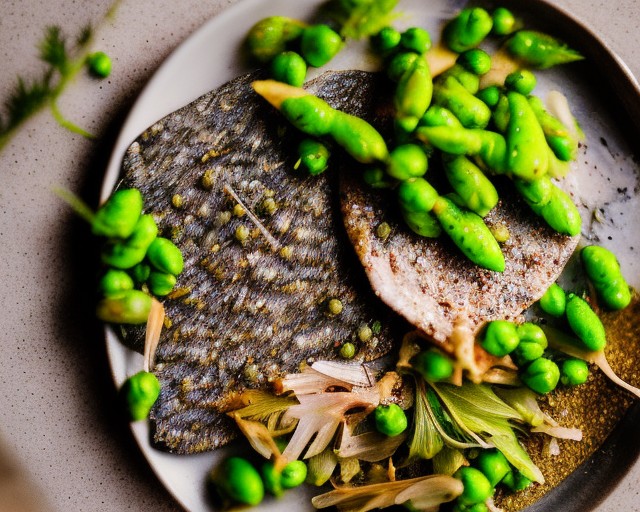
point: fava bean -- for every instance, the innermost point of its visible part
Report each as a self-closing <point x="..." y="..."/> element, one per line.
<point x="416" y="195"/>
<point x="164" y="255"/>
<point x="294" y="474"/>
<point x="540" y="50"/>
<point x="493" y="465"/>
<point x="474" y="189"/>
<point x="468" y="29"/>
<point x="542" y="375"/>
<point x="271" y="478"/>
<point x="128" y="307"/>
<point x="522" y="81"/>
<point x="289" y="67"/>
<point x="476" y="61"/>
<point x="500" y="338"/>
<point x="585" y="323"/>
<point x="412" y="95"/>
<point x="238" y="481"/>
<point x="115" y="281"/>
<point x="477" y="488"/>
<point x="516" y="481"/>
<point x="161" y="283"/>
<point x="140" y="392"/>
<point x="319" y="44"/>
<point x="269" y="37"/>
<point x="489" y="95"/>
<point x="437" y="115"/>
<point x="554" y="301"/>
<point x="416" y="39"/>
<point x="407" y="161"/>
<point x="422" y="223"/>
<point x="386" y="40"/>
<point x="533" y="343"/>
<point x="127" y="253"/>
<point x="603" y="270"/>
<point x="118" y="216"/>
<point x="504" y="22"/>
<point x="140" y="273"/>
<point x="314" y="156"/>
<point x="433" y="365"/>
<point x="470" y="111"/>
<point x="574" y="372"/>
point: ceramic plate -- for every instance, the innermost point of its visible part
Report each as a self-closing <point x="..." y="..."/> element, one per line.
<point x="211" y="56"/>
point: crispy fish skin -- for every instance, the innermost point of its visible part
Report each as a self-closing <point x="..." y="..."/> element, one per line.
<point x="245" y="312"/>
<point x="431" y="284"/>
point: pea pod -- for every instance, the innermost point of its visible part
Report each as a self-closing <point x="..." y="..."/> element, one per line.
<point x="315" y="117"/>
<point x="471" y="111"/>
<point x="585" y="323"/>
<point x="474" y="189"/>
<point x="468" y="29"/>
<point x="603" y="270"/>
<point x="269" y="36"/>
<point x="489" y="146"/>
<point x="470" y="234"/>
<point x="413" y="93"/>
<point x="527" y="155"/>
<point x="128" y="307"/>
<point x="539" y="50"/>
<point x="117" y="217"/>
<point x="564" y="146"/>
<point x="127" y="253"/>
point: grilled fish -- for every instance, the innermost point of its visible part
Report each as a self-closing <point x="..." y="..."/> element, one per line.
<point x="264" y="249"/>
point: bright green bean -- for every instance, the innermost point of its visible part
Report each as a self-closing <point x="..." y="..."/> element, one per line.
<point x="386" y="40"/>
<point x="314" y="156"/>
<point x="500" y="338"/>
<point x="422" y="223"/>
<point x="238" y="481"/>
<point x="99" y="64"/>
<point x="468" y="231"/>
<point x="309" y="114"/>
<point x="477" y="488"/>
<point x="476" y="61"/>
<point x="127" y="253"/>
<point x="161" y="283"/>
<point x="533" y="343"/>
<point x="603" y="270"/>
<point x="128" y="307"/>
<point x="289" y="67"/>
<point x="319" y="44"/>
<point x="140" y="392"/>
<point x="407" y="161"/>
<point x="433" y="365"/>
<point x="468" y="29"/>
<point x="164" y="255"/>
<point x="493" y="465"/>
<point x="540" y="50"/>
<point x="522" y="81"/>
<point x="117" y="217"/>
<point x="554" y="301"/>
<point x="437" y="115"/>
<point x="294" y="474"/>
<point x="416" y="195"/>
<point x="474" y="189"/>
<point x="504" y="22"/>
<point x="115" y="281"/>
<point x="471" y="111"/>
<point x="272" y="479"/>
<point x="585" y="323"/>
<point x="562" y="143"/>
<point x="269" y="36"/>
<point x="412" y="95"/>
<point x="542" y="375"/>
<point x="416" y="39"/>
<point x="574" y="372"/>
<point x="390" y="420"/>
<point x="489" y="95"/>
<point x="358" y="138"/>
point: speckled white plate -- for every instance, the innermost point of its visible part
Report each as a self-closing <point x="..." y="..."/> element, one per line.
<point x="211" y="57"/>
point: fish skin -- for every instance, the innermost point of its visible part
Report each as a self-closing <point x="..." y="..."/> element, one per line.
<point x="242" y="315"/>
<point x="431" y="284"/>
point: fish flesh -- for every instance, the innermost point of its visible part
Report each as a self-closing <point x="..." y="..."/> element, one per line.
<point x="430" y="283"/>
<point x="265" y="252"/>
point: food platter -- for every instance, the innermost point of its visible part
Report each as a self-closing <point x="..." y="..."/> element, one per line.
<point x="211" y="56"/>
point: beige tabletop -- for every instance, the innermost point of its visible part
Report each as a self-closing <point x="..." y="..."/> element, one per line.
<point x="61" y="434"/>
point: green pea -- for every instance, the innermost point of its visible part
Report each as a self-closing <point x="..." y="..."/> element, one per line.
<point x="115" y="281"/>
<point x="117" y="217"/>
<point x="603" y="270"/>
<point x="269" y="36"/>
<point x="489" y="95"/>
<point x="472" y="186"/>
<point x="574" y="372"/>
<point x="540" y="50"/>
<point x="433" y="365"/>
<point x="585" y="323"/>
<point x="99" y="64"/>
<point x="161" y="283"/>
<point x="504" y="22"/>
<point x="422" y="223"/>
<point x="476" y="61"/>
<point x="522" y="81"/>
<point x="128" y="307"/>
<point x="416" y="39"/>
<point x="376" y="177"/>
<point x="290" y="68"/>
<point x="347" y="350"/>
<point x="437" y="115"/>
<point x="165" y="256"/>
<point x="554" y="301"/>
<point x="516" y="481"/>
<point x="390" y="420"/>
<point x="472" y="236"/>
<point x="140" y="273"/>
<point x="493" y="465"/>
<point x="400" y="64"/>
<point x="476" y="507"/>
<point x="129" y="252"/>
<point x="533" y="343"/>
<point x="407" y="161"/>
<point x="416" y="195"/>
<point x="386" y="40"/>
<point x="500" y="338"/>
<point x="314" y="156"/>
<point x="477" y="488"/>
<point x="140" y="392"/>
<point x="358" y="138"/>
<point x="294" y="474"/>
<point x="238" y="480"/>
<point x="319" y="44"/>
<point x="542" y="375"/>
<point x="468" y="29"/>
<point x="309" y="114"/>
<point x="271" y="479"/>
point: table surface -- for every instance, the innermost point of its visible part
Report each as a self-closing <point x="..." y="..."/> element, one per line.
<point x="63" y="438"/>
